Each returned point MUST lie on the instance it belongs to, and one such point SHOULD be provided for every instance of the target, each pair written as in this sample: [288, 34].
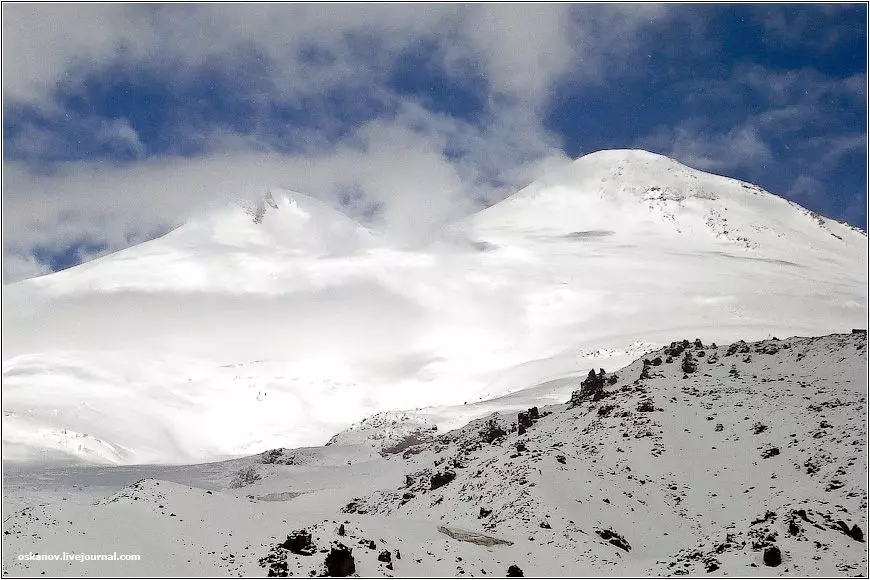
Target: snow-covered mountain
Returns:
[281, 323]
[745, 459]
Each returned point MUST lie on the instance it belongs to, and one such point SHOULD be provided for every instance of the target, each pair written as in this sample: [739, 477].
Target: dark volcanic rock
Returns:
[689, 365]
[644, 373]
[339, 562]
[675, 349]
[854, 532]
[592, 387]
[441, 479]
[491, 431]
[514, 571]
[614, 539]
[646, 406]
[385, 556]
[299, 542]
[768, 453]
[772, 556]
[524, 421]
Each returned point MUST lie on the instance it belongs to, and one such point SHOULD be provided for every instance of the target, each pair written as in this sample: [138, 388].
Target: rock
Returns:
[689, 365]
[719, 427]
[385, 556]
[441, 479]
[614, 539]
[698, 343]
[644, 372]
[768, 453]
[484, 513]
[339, 562]
[398, 555]
[372, 545]
[592, 387]
[854, 532]
[656, 361]
[524, 421]
[646, 406]
[533, 414]
[492, 431]
[514, 571]
[521, 446]
[299, 542]
[272, 456]
[675, 349]
[772, 556]
[341, 531]
[561, 459]
[759, 428]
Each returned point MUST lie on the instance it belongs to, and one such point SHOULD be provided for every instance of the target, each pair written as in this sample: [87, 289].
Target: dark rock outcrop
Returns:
[492, 431]
[772, 556]
[614, 539]
[514, 571]
[689, 365]
[441, 479]
[592, 388]
[339, 562]
[299, 542]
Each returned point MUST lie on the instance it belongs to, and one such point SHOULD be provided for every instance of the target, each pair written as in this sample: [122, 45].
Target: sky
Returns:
[121, 121]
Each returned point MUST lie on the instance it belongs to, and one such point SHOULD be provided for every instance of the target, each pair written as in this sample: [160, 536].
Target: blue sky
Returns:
[121, 121]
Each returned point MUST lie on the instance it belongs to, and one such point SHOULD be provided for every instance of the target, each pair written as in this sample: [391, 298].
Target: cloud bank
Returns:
[122, 121]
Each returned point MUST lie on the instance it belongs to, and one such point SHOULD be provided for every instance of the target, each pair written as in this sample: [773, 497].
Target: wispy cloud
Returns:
[122, 120]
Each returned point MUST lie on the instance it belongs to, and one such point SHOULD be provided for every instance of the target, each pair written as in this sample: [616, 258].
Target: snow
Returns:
[282, 322]
[666, 475]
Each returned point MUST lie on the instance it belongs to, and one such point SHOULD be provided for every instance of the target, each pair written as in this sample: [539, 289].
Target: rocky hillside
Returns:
[740, 459]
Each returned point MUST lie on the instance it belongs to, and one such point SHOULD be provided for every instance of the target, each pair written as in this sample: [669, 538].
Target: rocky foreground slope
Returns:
[740, 459]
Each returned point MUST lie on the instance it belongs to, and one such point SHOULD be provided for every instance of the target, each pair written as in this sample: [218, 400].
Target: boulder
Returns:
[339, 562]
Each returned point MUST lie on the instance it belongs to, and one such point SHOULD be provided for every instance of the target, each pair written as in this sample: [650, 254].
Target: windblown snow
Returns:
[282, 322]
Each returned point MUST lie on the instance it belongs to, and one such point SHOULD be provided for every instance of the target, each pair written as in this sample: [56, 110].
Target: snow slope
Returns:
[281, 323]
[666, 469]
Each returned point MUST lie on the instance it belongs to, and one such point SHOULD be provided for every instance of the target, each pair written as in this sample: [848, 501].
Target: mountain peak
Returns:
[645, 198]
[279, 219]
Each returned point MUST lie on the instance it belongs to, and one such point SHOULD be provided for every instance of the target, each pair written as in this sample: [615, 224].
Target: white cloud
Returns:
[742, 146]
[400, 163]
[18, 267]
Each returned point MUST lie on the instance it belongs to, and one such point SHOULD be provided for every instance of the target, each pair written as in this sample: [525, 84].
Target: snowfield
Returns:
[556, 385]
[282, 322]
[733, 459]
